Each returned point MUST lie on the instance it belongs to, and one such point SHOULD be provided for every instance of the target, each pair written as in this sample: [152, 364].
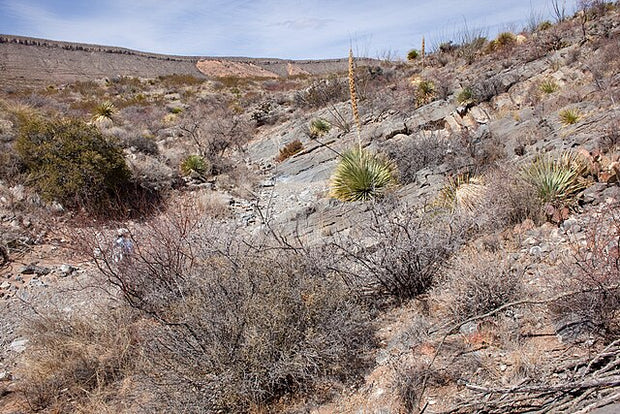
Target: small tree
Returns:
[71, 162]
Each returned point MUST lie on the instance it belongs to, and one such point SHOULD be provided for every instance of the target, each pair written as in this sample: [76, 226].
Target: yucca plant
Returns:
[569, 116]
[319, 127]
[104, 112]
[465, 96]
[557, 180]
[462, 192]
[426, 91]
[549, 86]
[362, 176]
[194, 164]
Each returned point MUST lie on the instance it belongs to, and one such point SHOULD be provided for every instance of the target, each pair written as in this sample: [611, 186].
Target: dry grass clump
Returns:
[509, 200]
[76, 362]
[462, 193]
[480, 281]
[289, 150]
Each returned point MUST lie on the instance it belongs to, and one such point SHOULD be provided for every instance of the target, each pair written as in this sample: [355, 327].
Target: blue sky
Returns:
[311, 29]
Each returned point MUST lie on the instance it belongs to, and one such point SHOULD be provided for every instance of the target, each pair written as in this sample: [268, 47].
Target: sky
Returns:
[310, 29]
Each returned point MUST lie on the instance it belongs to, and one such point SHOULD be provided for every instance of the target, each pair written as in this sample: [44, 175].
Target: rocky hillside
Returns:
[206, 263]
[26, 61]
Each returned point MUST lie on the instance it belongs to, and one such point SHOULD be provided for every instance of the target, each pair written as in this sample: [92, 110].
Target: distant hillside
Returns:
[26, 61]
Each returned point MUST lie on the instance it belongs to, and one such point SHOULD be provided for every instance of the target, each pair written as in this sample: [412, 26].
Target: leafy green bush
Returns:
[413, 54]
[362, 175]
[71, 162]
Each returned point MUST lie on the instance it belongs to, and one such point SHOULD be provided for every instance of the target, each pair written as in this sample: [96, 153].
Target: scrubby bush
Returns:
[508, 200]
[403, 253]
[71, 162]
[289, 150]
[479, 282]
[415, 153]
[141, 143]
[362, 175]
[594, 276]
[233, 326]
[323, 93]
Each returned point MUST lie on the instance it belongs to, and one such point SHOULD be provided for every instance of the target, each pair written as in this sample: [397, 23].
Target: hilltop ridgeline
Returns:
[29, 61]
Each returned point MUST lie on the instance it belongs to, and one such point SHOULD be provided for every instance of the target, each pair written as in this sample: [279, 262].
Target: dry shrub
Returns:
[214, 205]
[480, 281]
[403, 252]
[508, 200]
[323, 93]
[234, 324]
[595, 273]
[415, 153]
[75, 361]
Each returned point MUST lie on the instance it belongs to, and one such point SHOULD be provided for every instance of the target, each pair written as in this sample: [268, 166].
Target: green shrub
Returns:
[413, 54]
[289, 150]
[194, 164]
[362, 175]
[71, 162]
[569, 116]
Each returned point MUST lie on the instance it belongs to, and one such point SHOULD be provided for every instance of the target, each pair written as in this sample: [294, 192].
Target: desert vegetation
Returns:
[436, 235]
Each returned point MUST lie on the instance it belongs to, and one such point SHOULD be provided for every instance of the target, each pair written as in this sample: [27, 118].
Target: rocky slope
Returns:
[28, 61]
[446, 350]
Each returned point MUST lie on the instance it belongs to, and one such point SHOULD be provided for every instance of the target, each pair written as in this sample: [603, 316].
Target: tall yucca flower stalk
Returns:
[423, 50]
[353, 93]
